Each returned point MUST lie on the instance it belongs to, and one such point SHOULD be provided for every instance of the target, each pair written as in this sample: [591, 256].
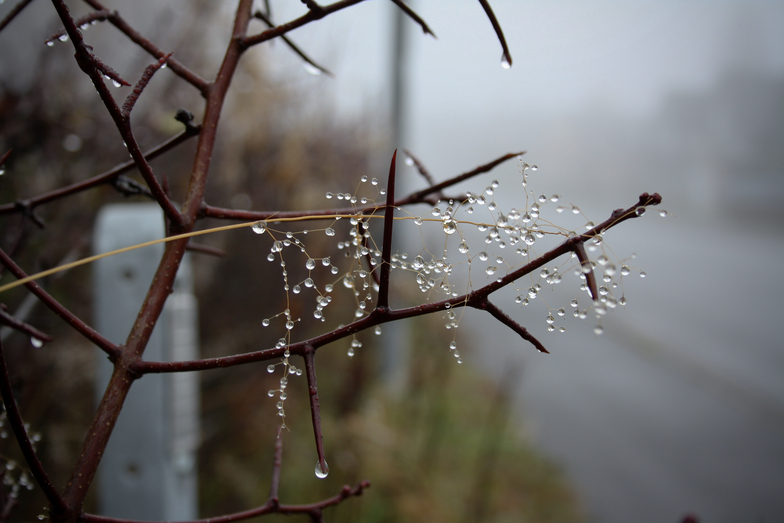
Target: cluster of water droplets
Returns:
[15, 479]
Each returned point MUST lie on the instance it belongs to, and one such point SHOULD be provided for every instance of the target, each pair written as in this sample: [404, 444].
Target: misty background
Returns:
[679, 406]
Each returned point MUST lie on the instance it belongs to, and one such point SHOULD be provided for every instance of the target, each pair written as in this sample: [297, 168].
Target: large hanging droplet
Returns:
[322, 472]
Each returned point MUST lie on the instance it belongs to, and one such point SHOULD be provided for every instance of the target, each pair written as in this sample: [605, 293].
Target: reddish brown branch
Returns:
[305, 19]
[17, 324]
[419, 196]
[17, 425]
[110, 176]
[477, 299]
[81, 327]
[176, 67]
[130, 101]
[209, 211]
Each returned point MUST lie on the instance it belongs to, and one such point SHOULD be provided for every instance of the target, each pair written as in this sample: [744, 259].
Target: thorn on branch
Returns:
[313, 6]
[386, 249]
[506, 57]
[415, 17]
[587, 268]
[129, 187]
[151, 69]
[85, 56]
[29, 212]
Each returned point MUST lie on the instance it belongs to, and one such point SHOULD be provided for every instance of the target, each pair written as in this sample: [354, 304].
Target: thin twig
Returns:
[176, 66]
[506, 57]
[415, 17]
[17, 425]
[16, 324]
[264, 18]
[308, 355]
[14, 12]
[106, 177]
[70, 318]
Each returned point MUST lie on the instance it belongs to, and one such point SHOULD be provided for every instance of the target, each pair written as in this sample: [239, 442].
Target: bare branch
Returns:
[509, 322]
[88, 332]
[130, 101]
[415, 17]
[17, 324]
[309, 353]
[14, 12]
[17, 425]
[264, 18]
[506, 57]
[305, 19]
[176, 67]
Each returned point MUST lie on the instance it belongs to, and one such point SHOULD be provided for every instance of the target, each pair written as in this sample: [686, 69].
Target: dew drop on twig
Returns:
[322, 472]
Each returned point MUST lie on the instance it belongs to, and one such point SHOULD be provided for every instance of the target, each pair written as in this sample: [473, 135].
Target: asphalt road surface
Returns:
[678, 407]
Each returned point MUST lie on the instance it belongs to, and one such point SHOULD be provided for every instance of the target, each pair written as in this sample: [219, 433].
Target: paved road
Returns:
[679, 406]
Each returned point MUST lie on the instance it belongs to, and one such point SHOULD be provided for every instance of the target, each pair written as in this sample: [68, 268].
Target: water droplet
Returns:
[322, 472]
[374, 181]
[311, 69]
[529, 239]
[329, 195]
[491, 270]
[270, 257]
[265, 322]
[116, 83]
[450, 227]
[550, 319]
[643, 274]
[598, 330]
[377, 330]
[505, 62]
[418, 220]
[554, 198]
[333, 270]
[310, 264]
[348, 281]
[35, 342]
[329, 231]
[270, 368]
[297, 289]
[463, 248]
[663, 213]
[350, 355]
[63, 37]
[639, 211]
[258, 227]
[483, 256]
